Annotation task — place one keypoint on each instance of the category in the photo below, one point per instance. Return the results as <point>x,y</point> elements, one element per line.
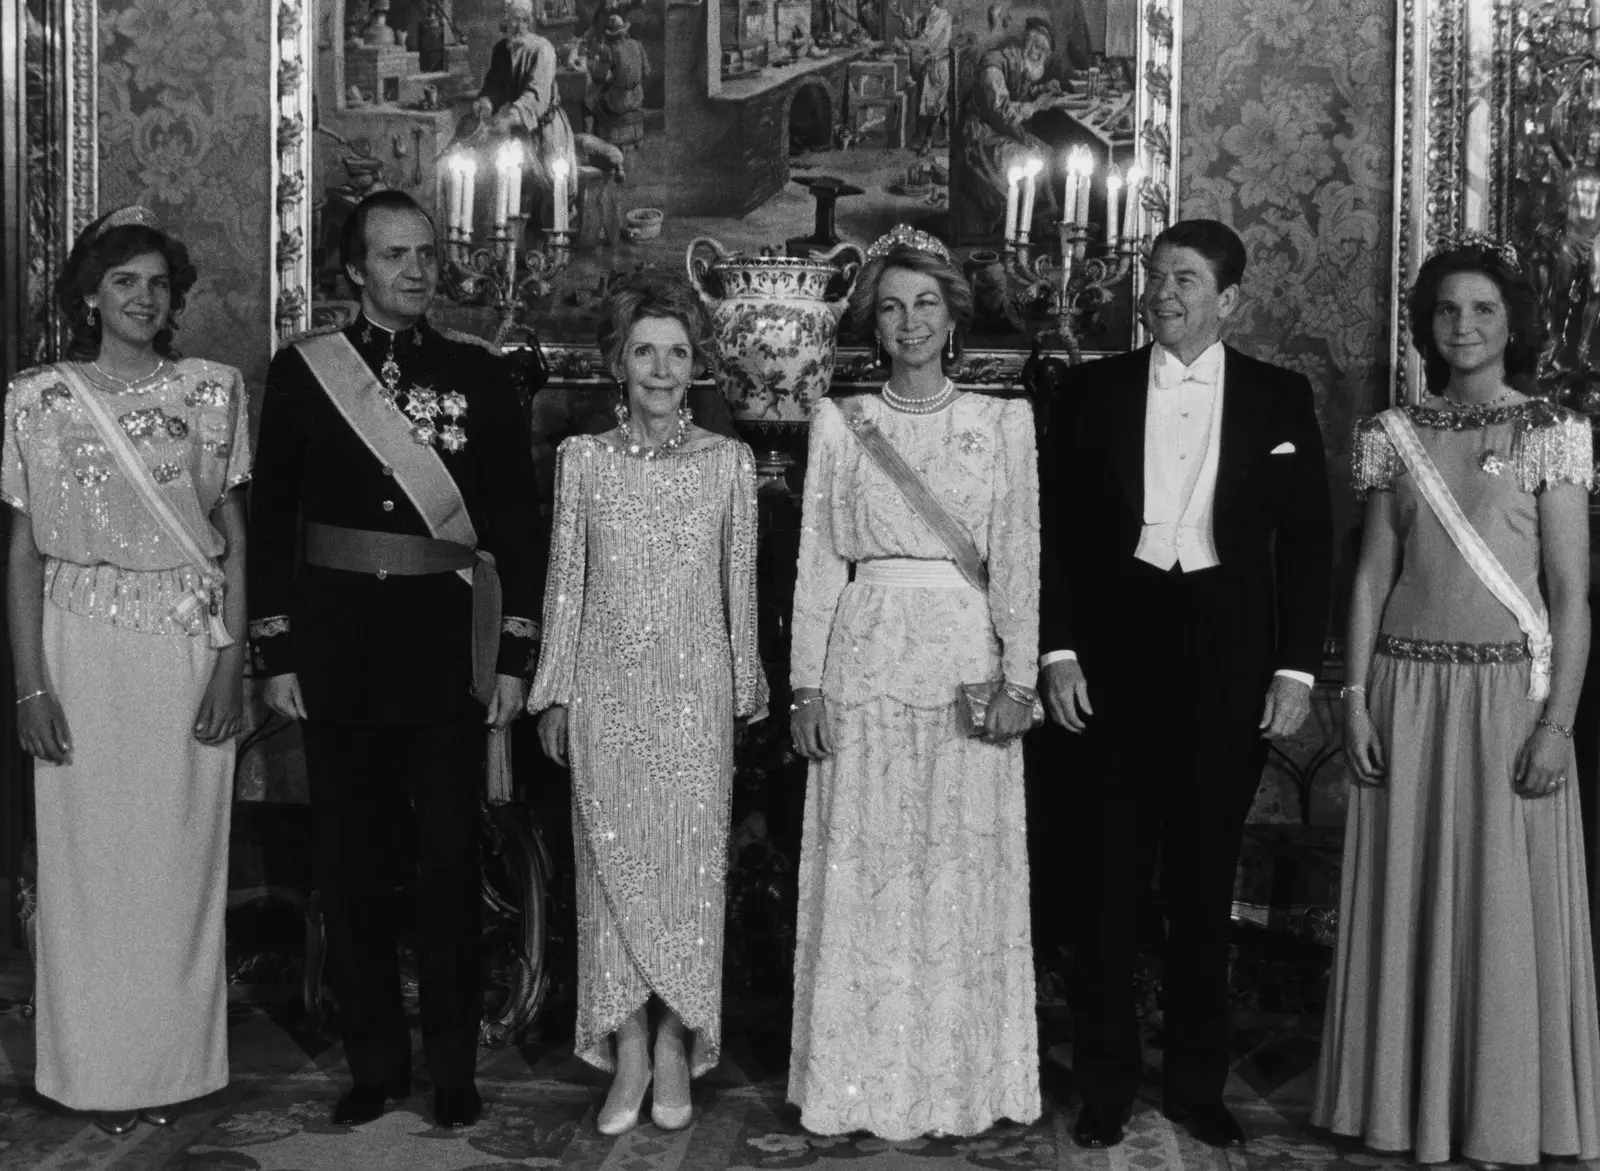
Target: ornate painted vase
<point>774,324</point>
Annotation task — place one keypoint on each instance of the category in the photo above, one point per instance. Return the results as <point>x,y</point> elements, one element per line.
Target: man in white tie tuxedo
<point>1187,546</point>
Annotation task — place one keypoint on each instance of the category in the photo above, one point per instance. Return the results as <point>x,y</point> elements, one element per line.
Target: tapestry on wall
<point>190,140</point>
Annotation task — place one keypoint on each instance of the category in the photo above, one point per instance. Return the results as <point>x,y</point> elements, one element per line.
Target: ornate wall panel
<point>1288,136</point>
<point>185,127</point>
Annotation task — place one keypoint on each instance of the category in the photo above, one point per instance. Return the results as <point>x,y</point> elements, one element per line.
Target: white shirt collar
<point>1167,371</point>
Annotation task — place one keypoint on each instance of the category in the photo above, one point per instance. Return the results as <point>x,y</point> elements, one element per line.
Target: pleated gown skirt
<point>133,873</point>
<point>1461,1017</point>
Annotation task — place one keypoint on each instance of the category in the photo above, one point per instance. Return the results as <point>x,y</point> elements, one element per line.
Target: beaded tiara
<point>124,216</point>
<point>1481,242</point>
<point>905,236</point>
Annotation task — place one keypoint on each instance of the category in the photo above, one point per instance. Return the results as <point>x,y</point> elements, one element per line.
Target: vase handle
<point>698,268</point>
<point>848,259</point>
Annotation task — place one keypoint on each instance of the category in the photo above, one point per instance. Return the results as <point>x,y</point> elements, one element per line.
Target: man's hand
<point>1288,705</point>
<point>505,705</point>
<point>282,694</point>
<point>1066,694</point>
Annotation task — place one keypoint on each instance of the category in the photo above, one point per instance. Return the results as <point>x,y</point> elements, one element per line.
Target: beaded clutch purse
<point>972,707</point>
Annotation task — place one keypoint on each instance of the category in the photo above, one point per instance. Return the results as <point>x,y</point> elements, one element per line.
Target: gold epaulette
<point>471,339</point>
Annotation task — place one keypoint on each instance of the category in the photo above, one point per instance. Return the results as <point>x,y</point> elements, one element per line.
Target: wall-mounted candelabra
<point>500,268</point>
<point>1081,275</point>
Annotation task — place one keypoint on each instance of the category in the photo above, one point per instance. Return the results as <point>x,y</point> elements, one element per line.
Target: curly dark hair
<point>96,253</point>
<point>863,311</point>
<point>651,293</point>
<point>1526,325</point>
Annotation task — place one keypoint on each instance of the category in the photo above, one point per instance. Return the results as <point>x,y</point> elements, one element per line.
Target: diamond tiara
<point>905,236</point>
<point>1481,242</point>
<point>124,216</point>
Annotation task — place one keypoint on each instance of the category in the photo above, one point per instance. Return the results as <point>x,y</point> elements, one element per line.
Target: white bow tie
<point>1170,375</point>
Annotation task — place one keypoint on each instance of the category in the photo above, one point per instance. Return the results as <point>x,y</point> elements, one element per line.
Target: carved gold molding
<point>83,134</point>
<point>289,237</point>
<point>1448,146</point>
<point>1158,65</point>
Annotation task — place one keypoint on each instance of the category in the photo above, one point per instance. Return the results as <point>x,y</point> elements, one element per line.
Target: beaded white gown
<point>914,994</point>
<point>650,643</point>
<point>133,830</point>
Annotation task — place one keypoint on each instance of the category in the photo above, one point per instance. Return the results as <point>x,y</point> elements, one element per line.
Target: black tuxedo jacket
<point>399,650</point>
<point>1271,521</point>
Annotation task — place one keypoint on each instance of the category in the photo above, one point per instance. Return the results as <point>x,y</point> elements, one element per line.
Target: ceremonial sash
<point>1477,554</point>
<point>358,396</point>
<point>917,494</point>
<point>213,584</point>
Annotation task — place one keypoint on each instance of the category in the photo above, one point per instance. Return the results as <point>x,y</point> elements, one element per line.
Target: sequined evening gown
<point>914,996</point>
<point>1461,1016</point>
<point>133,830</point>
<point>650,643</point>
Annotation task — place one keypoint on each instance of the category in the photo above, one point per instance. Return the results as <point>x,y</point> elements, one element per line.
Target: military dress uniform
<point>384,661</point>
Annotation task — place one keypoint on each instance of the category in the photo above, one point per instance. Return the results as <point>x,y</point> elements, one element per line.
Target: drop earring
<point>620,410</point>
<point>950,345</point>
<point>883,358</point>
<point>92,318</point>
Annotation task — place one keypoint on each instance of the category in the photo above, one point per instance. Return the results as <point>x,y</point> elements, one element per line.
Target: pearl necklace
<point>921,406</point>
<point>669,444</point>
<point>128,384</point>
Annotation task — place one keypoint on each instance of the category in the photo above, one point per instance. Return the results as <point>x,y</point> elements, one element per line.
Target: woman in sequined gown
<point>914,995</point>
<point>1462,1017</point>
<point>125,703</point>
<point>649,665</point>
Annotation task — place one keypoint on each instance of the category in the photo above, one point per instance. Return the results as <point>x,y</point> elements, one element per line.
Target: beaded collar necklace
<point>666,447</point>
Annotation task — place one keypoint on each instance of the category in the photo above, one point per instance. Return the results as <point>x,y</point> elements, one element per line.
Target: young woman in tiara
<point>125,598</point>
<point>1462,1015</point>
<point>914,996</point>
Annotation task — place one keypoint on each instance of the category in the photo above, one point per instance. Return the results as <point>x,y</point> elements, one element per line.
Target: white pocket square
<point>1284,448</point>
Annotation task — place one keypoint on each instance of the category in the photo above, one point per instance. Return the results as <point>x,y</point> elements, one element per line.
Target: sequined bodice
<point>190,429</point>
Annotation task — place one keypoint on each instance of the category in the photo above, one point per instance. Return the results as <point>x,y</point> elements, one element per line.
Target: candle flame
<point>559,168</point>
<point>1032,167</point>
<point>1135,175</point>
<point>462,165</point>
<point>509,154</point>
<point>1014,174</point>
<point>1113,181</point>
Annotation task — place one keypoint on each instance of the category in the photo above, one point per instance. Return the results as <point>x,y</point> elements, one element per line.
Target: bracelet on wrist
<point>1353,689</point>
<point>1564,730</point>
<point>802,702</point>
<point>22,699</point>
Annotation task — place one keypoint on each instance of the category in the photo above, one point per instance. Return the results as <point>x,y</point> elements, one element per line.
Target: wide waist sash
<point>912,572</point>
<point>369,551</point>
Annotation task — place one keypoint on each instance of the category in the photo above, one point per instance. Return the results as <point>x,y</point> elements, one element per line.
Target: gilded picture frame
<point>310,40</point>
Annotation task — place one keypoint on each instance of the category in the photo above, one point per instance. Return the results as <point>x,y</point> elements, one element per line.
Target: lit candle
<point>1069,190</point>
<point>1132,227</point>
<point>1113,189</point>
<point>558,216</point>
<point>1013,177</point>
<point>1030,172</point>
<point>507,161</point>
<point>1085,173</point>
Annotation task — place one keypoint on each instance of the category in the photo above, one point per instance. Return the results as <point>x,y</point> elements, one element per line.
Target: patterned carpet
<point>540,1106</point>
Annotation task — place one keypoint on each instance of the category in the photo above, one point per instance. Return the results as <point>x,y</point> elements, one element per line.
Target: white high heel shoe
<point>615,1121</point>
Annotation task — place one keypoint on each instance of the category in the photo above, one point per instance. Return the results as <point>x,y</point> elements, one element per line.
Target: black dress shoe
<point>456,1106</point>
<point>1212,1125</point>
<point>364,1103</point>
<point>1100,1125</point>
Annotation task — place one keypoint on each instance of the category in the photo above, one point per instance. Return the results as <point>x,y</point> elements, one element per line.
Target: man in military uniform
<point>369,439</point>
